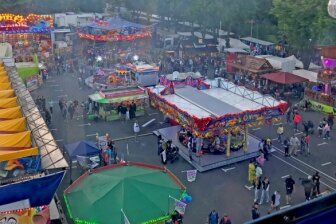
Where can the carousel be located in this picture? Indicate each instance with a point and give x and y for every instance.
(213, 119)
(109, 79)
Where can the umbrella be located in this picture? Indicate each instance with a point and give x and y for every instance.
(284, 78)
(82, 148)
(141, 191)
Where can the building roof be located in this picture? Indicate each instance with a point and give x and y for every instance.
(252, 64)
(257, 41)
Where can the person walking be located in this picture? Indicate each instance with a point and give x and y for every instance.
(290, 188)
(302, 144)
(265, 191)
(286, 145)
(258, 171)
(47, 116)
(330, 120)
(288, 115)
(296, 121)
(307, 143)
(51, 105)
(294, 145)
(275, 202)
(320, 130)
(257, 188)
(280, 132)
(308, 186)
(225, 220)
(255, 211)
(251, 172)
(213, 217)
(136, 129)
(316, 181)
(326, 131)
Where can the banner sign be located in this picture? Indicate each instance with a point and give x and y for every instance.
(39, 215)
(180, 206)
(191, 175)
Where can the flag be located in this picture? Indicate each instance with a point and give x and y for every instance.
(126, 221)
(191, 175)
(180, 206)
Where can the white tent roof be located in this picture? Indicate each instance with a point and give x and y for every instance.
(197, 34)
(312, 76)
(234, 43)
(299, 63)
(284, 64)
(234, 50)
(257, 41)
(233, 97)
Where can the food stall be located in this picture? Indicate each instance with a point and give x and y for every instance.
(222, 110)
(181, 79)
(144, 74)
(109, 101)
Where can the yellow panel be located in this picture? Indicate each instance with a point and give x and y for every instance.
(8, 155)
(18, 140)
(8, 103)
(10, 113)
(13, 126)
(5, 86)
(4, 79)
(6, 93)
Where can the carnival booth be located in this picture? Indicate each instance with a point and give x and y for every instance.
(27, 34)
(114, 29)
(322, 95)
(182, 79)
(108, 102)
(217, 115)
(144, 74)
(140, 193)
(25, 191)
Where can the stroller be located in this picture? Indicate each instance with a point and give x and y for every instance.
(173, 154)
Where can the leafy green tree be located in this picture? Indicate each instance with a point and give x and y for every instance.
(304, 24)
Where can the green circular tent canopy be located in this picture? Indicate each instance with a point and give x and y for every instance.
(141, 191)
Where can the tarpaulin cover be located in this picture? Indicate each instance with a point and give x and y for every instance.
(6, 93)
(8, 103)
(4, 79)
(10, 113)
(13, 126)
(40, 191)
(8, 155)
(115, 23)
(3, 73)
(284, 78)
(142, 191)
(5, 86)
(82, 148)
(10, 142)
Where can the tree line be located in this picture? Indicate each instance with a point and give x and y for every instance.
(302, 24)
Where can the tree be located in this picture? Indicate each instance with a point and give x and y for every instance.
(304, 23)
(14, 6)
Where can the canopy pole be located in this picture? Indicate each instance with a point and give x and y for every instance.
(228, 145)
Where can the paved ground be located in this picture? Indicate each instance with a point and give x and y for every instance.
(224, 190)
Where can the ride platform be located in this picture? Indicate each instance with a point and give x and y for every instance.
(209, 161)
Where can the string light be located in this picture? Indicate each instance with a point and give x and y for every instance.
(24, 210)
(13, 24)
